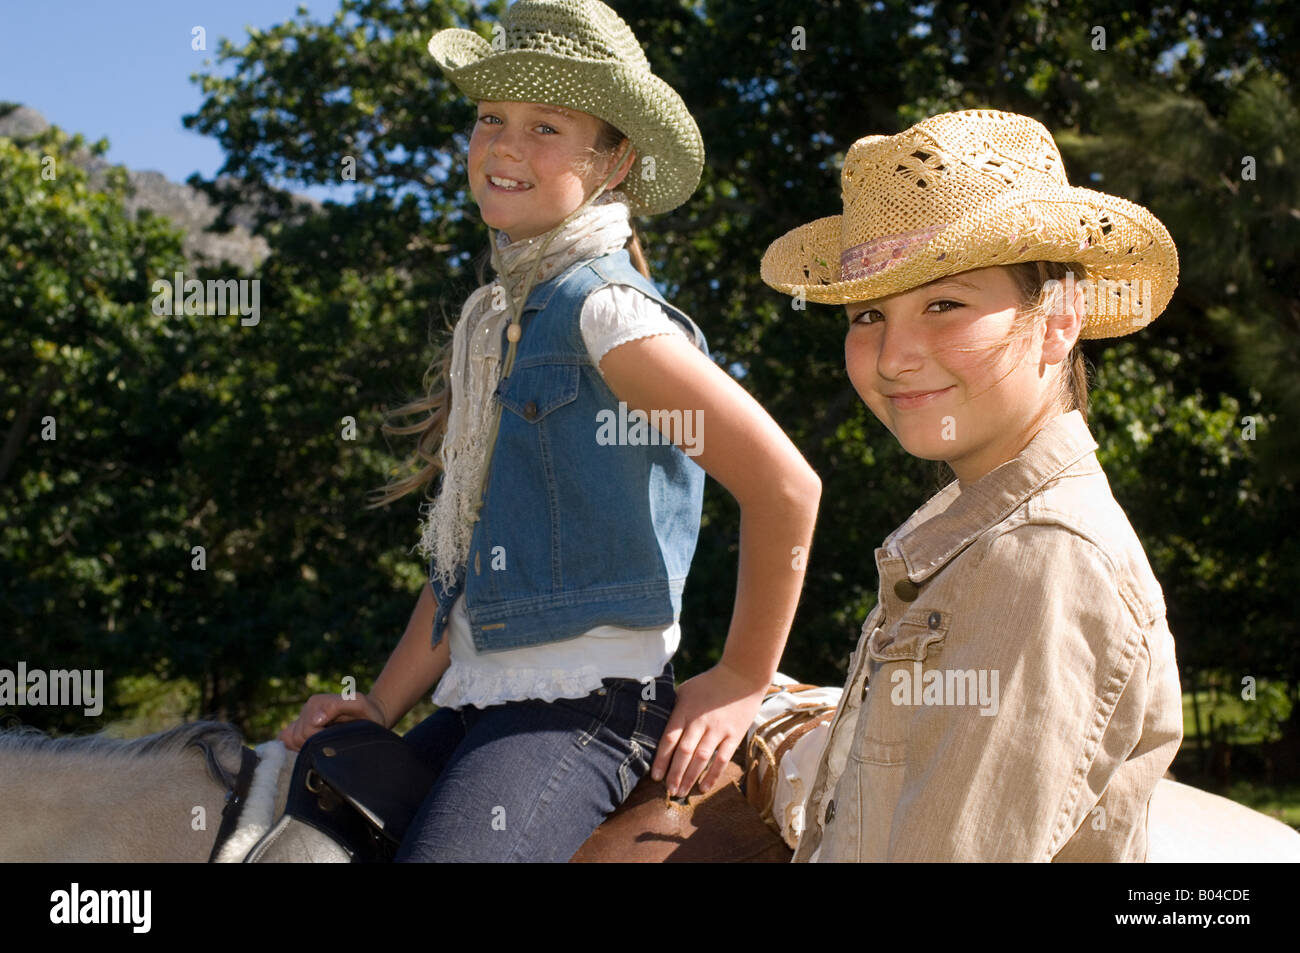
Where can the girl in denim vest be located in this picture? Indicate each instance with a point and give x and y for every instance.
(1014, 693)
(570, 437)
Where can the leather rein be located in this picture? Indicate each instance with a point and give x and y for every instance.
(236, 790)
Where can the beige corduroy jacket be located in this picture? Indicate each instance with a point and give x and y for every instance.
(1023, 696)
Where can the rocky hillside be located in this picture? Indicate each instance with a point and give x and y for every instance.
(188, 208)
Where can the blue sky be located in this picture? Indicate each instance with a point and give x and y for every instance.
(121, 68)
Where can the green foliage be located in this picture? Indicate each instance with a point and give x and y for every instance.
(183, 431)
(80, 353)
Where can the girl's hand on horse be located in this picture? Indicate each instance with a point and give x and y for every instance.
(713, 712)
(322, 711)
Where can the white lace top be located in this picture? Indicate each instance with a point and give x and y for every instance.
(573, 668)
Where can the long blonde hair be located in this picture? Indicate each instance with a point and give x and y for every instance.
(434, 408)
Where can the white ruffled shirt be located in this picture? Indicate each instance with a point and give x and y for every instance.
(611, 316)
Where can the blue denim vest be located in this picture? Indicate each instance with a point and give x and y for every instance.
(574, 532)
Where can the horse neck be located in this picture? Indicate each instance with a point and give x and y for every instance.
(99, 808)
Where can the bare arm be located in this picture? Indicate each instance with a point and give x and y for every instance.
(741, 447)
(415, 666)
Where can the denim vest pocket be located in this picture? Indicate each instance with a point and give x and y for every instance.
(532, 392)
(920, 631)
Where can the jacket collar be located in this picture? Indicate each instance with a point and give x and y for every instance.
(954, 517)
(540, 297)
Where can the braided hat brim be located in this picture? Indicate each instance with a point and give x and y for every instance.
(668, 144)
(1127, 251)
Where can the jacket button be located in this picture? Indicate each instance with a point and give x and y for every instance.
(934, 620)
(864, 691)
(906, 590)
(530, 410)
(830, 811)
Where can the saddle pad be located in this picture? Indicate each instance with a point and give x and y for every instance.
(782, 751)
(290, 841)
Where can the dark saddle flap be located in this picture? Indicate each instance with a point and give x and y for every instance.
(372, 769)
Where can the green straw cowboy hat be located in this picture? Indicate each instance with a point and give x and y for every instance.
(967, 190)
(578, 54)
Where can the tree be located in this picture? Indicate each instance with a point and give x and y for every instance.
(81, 505)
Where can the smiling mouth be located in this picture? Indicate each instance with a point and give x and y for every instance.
(916, 398)
(512, 185)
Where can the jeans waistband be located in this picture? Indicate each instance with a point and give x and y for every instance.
(665, 675)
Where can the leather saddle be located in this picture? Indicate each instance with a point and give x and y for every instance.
(717, 827)
(355, 789)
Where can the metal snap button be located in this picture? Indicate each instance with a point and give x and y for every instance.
(530, 410)
(906, 590)
(864, 691)
(934, 620)
(830, 811)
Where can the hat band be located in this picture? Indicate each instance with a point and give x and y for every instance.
(864, 260)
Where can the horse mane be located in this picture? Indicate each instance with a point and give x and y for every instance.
(222, 737)
(99, 798)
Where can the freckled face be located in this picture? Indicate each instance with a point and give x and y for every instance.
(929, 364)
(530, 165)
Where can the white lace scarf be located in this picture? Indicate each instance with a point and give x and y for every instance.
(475, 369)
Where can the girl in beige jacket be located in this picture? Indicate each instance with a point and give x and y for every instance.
(1014, 693)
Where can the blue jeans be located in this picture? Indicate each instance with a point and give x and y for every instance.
(531, 780)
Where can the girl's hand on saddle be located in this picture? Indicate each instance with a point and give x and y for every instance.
(712, 714)
(321, 711)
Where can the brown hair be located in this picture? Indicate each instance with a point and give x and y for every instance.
(436, 404)
(1036, 298)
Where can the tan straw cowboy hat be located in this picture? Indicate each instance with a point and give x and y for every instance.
(578, 54)
(967, 190)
